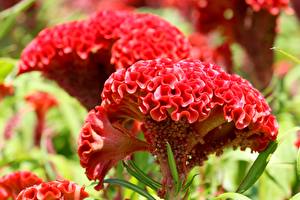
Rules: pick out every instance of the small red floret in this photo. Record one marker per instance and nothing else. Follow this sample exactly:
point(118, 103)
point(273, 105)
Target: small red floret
point(12, 184)
point(53, 190)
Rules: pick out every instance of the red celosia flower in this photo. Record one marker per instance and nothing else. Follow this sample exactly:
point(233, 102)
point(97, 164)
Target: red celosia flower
point(102, 144)
point(273, 6)
point(54, 190)
point(41, 102)
point(80, 55)
point(12, 184)
point(5, 90)
point(297, 142)
point(197, 107)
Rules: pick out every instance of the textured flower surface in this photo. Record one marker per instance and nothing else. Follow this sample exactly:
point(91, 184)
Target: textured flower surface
point(80, 55)
point(12, 184)
point(55, 190)
point(197, 107)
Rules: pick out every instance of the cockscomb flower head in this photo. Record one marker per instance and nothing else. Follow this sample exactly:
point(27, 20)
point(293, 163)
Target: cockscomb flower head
point(53, 190)
point(81, 55)
point(13, 183)
point(196, 107)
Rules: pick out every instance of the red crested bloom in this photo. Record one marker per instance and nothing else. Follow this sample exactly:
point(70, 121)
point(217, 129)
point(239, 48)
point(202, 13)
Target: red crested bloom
point(12, 184)
point(102, 144)
point(54, 190)
point(81, 55)
point(197, 107)
point(5, 90)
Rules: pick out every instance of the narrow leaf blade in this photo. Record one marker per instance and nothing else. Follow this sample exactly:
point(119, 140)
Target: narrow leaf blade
point(232, 196)
point(130, 186)
point(292, 57)
point(257, 168)
point(142, 174)
point(189, 183)
point(173, 168)
point(140, 177)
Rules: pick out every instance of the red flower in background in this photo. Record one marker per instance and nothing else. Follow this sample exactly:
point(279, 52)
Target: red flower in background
point(12, 184)
point(41, 102)
point(81, 55)
point(197, 107)
point(53, 190)
point(273, 6)
point(203, 50)
point(5, 90)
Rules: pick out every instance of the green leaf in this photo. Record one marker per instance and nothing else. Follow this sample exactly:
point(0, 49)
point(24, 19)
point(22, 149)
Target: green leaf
point(189, 183)
point(173, 168)
point(90, 198)
point(296, 197)
point(293, 58)
point(136, 172)
point(231, 195)
point(257, 168)
point(298, 163)
point(130, 186)
point(6, 66)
